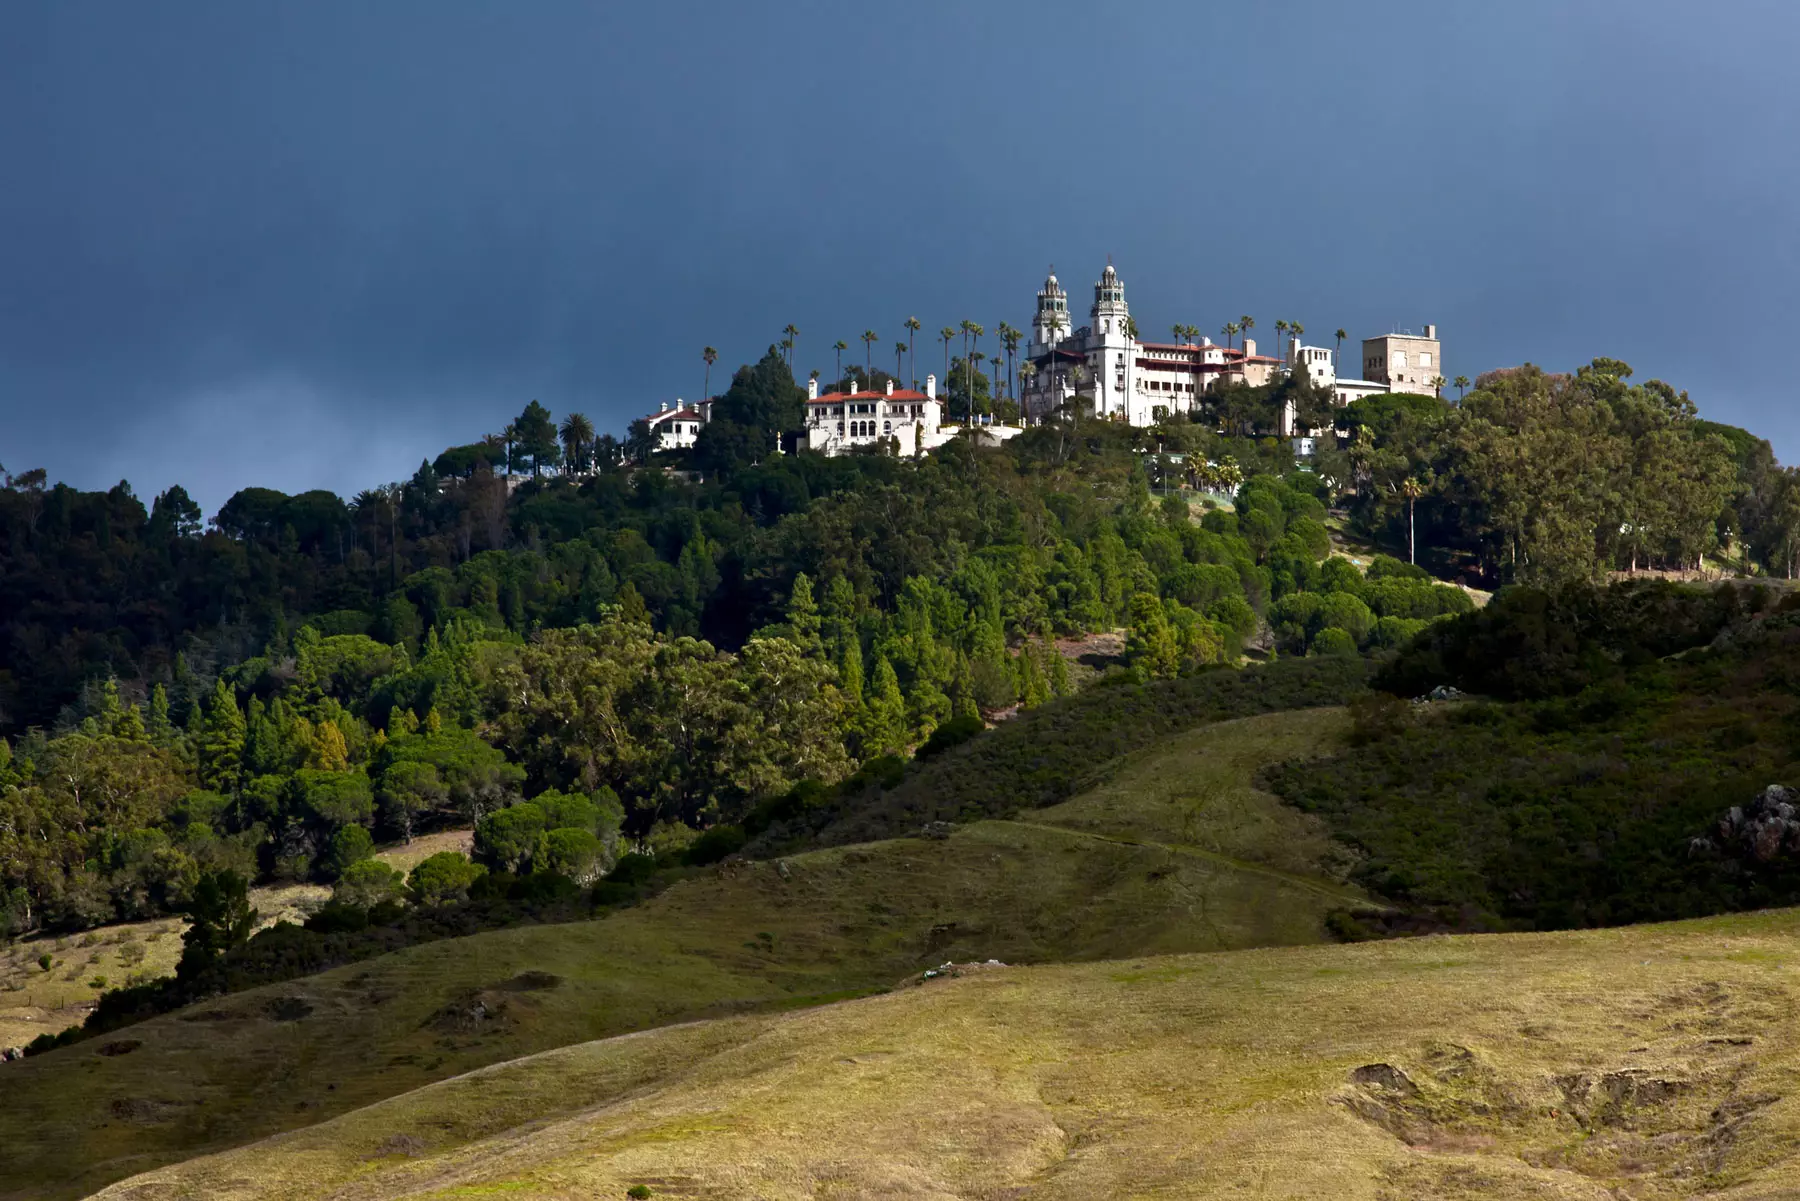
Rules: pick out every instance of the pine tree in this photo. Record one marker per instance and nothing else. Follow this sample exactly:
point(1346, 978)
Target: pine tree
point(884, 712)
point(160, 728)
point(328, 750)
point(850, 673)
point(401, 722)
point(803, 616)
point(433, 722)
point(1151, 646)
point(221, 742)
point(1032, 688)
point(962, 689)
point(130, 725)
point(632, 610)
point(1059, 672)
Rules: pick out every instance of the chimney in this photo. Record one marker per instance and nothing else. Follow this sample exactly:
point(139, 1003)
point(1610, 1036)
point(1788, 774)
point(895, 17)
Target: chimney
point(812, 389)
point(1249, 347)
point(663, 407)
point(931, 386)
point(1431, 332)
point(1205, 341)
point(890, 390)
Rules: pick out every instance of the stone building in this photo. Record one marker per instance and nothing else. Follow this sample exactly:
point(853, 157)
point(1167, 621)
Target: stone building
point(911, 422)
point(1404, 361)
point(1115, 372)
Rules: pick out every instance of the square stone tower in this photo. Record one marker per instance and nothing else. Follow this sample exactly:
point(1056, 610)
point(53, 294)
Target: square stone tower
point(1405, 361)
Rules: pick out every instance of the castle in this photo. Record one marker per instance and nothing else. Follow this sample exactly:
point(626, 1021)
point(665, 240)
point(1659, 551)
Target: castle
point(1104, 363)
point(1120, 376)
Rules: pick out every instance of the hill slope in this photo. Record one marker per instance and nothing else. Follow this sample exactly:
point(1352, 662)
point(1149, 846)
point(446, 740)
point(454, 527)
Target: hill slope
point(1178, 851)
point(1650, 1062)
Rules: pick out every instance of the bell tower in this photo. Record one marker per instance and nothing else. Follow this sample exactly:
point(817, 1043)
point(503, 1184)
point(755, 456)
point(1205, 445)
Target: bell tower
point(1110, 311)
point(1051, 325)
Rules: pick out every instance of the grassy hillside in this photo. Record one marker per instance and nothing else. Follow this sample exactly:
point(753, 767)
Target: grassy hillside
point(1646, 1063)
point(1178, 852)
point(1058, 750)
point(35, 999)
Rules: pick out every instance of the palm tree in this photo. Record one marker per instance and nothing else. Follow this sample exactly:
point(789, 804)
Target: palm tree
point(1295, 329)
point(1437, 385)
point(1280, 329)
point(1012, 338)
point(511, 435)
point(711, 356)
point(1246, 324)
point(869, 338)
point(944, 336)
point(1412, 488)
point(1230, 330)
point(577, 433)
point(793, 335)
point(1339, 362)
point(787, 351)
point(1462, 385)
point(975, 331)
point(1027, 372)
point(912, 353)
point(1175, 331)
point(975, 362)
point(899, 358)
point(841, 347)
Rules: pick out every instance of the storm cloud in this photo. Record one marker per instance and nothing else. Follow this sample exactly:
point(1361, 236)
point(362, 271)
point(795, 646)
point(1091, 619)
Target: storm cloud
point(307, 245)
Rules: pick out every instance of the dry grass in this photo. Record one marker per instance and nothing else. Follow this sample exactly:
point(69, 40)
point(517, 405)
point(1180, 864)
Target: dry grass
point(742, 938)
point(36, 1001)
point(1643, 1063)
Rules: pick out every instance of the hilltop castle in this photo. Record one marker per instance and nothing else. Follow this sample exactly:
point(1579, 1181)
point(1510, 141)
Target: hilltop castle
point(1138, 382)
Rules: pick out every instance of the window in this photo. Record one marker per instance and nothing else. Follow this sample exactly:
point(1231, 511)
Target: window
point(1424, 358)
point(887, 427)
point(840, 427)
point(1399, 360)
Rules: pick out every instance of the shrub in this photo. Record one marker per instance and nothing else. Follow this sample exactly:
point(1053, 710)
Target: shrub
point(337, 917)
point(1338, 574)
point(954, 732)
point(638, 1192)
point(1332, 641)
point(1386, 567)
point(443, 879)
point(367, 883)
point(507, 838)
point(572, 852)
point(349, 846)
point(632, 869)
point(715, 844)
point(1342, 611)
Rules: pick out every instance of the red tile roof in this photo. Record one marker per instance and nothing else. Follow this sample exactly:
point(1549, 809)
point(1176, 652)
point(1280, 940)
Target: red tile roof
point(672, 414)
point(837, 398)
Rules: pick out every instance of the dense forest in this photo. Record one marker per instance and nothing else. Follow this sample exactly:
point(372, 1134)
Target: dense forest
point(546, 636)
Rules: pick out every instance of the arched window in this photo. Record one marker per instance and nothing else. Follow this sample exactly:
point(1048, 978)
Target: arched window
point(887, 427)
point(840, 427)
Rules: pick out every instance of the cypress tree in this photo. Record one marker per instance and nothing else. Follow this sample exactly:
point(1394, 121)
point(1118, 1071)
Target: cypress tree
point(221, 742)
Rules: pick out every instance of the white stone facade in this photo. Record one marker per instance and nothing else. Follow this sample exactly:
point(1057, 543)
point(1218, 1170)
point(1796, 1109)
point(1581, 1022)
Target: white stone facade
point(675, 427)
point(1119, 375)
point(1141, 383)
point(910, 422)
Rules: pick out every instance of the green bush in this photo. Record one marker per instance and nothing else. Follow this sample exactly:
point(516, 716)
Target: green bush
point(349, 846)
point(715, 844)
point(954, 732)
point(1332, 641)
point(367, 883)
point(443, 879)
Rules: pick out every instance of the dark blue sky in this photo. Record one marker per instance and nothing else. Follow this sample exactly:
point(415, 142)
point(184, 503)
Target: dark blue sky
point(305, 245)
